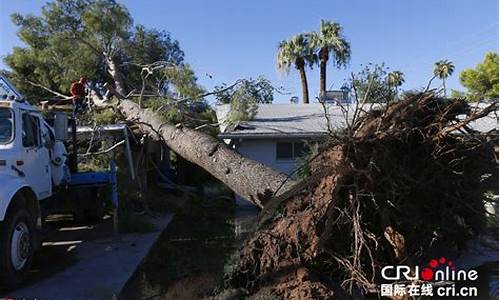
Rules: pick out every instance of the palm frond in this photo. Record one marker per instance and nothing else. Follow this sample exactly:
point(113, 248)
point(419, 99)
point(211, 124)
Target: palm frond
point(443, 68)
point(296, 49)
point(330, 40)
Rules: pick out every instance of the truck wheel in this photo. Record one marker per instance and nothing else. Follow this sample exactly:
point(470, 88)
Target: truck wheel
point(16, 246)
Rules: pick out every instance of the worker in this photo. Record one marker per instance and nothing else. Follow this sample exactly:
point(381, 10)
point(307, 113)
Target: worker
point(78, 93)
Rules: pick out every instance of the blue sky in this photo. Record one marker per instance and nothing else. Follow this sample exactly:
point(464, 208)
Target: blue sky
point(234, 39)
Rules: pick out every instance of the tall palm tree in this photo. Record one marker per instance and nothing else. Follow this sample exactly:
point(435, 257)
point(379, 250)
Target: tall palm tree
point(330, 41)
point(395, 79)
point(297, 52)
point(443, 69)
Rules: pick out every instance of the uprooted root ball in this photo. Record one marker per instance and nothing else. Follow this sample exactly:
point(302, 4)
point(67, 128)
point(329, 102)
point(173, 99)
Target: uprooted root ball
point(397, 182)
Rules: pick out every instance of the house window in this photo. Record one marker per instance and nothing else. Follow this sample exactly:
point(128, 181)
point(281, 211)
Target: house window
point(284, 151)
point(290, 150)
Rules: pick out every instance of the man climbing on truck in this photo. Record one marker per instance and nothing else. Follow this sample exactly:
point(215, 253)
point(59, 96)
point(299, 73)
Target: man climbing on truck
point(78, 92)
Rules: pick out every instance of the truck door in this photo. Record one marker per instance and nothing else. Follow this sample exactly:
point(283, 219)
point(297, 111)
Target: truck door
point(35, 164)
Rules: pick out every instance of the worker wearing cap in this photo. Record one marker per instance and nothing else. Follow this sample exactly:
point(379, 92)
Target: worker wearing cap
point(78, 93)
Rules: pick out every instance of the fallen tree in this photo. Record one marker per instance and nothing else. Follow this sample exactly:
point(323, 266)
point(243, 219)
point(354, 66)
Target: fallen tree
point(248, 178)
point(393, 185)
point(402, 180)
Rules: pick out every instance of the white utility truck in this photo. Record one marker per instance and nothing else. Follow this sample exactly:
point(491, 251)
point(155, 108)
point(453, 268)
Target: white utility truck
point(35, 169)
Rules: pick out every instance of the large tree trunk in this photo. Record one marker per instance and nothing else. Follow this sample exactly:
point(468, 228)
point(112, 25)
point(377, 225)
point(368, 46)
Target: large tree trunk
point(305, 89)
point(114, 72)
point(246, 177)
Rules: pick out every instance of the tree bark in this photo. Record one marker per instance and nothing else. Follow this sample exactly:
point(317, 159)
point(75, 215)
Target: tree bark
point(250, 179)
point(114, 72)
point(322, 73)
point(322, 79)
point(305, 89)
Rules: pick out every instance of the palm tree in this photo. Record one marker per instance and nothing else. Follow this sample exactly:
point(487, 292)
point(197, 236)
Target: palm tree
point(297, 52)
point(330, 41)
point(443, 69)
point(395, 79)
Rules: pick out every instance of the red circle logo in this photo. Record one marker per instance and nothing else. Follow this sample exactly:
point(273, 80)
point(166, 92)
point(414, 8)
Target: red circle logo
point(427, 274)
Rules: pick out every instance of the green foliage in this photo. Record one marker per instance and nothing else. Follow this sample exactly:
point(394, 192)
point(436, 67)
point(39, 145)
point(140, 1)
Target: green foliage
point(331, 41)
point(443, 69)
point(458, 94)
point(242, 111)
point(72, 37)
point(182, 81)
point(395, 78)
point(312, 48)
point(258, 90)
point(244, 97)
point(106, 116)
point(179, 83)
point(304, 170)
point(148, 45)
point(165, 108)
point(373, 83)
point(482, 81)
point(297, 52)
point(79, 37)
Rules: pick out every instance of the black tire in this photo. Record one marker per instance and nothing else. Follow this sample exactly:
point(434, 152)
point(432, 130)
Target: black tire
point(18, 221)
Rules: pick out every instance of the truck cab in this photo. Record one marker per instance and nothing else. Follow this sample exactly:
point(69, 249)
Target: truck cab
point(38, 177)
point(32, 164)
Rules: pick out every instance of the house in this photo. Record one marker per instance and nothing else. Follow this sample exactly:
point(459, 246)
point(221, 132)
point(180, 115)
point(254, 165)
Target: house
point(278, 134)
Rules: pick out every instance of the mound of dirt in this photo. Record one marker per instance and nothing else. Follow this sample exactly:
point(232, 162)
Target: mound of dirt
point(394, 184)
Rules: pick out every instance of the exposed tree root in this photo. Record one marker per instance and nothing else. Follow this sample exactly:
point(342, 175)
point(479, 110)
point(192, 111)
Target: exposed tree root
point(398, 182)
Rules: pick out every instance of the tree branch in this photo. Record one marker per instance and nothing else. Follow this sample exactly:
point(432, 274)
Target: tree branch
point(483, 113)
point(65, 97)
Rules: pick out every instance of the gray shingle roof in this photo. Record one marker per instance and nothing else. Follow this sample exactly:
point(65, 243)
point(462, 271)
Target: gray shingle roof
point(279, 120)
point(299, 120)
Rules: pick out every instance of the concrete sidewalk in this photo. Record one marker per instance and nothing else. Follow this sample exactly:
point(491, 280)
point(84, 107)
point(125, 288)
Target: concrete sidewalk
point(102, 270)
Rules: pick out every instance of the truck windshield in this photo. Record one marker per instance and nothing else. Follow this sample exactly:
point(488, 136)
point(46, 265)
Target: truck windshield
point(6, 125)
